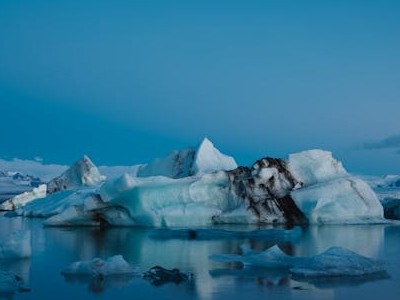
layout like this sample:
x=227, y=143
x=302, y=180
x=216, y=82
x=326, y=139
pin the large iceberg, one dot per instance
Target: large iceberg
x=334, y=262
x=82, y=173
x=188, y=162
x=307, y=187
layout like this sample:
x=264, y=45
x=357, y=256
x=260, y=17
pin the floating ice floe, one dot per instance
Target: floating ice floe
x=16, y=245
x=188, y=162
x=115, y=265
x=334, y=262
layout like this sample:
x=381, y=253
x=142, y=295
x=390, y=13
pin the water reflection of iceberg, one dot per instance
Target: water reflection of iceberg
x=98, y=284
x=335, y=266
x=139, y=248
x=219, y=234
x=316, y=239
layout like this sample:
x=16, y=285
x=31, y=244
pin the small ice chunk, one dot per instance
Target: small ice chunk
x=115, y=265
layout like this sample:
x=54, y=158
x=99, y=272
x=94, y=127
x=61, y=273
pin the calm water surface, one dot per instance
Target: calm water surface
x=55, y=248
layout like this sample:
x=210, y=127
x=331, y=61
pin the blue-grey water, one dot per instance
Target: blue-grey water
x=55, y=248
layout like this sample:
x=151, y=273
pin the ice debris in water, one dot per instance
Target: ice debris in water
x=334, y=262
x=16, y=245
x=158, y=276
x=115, y=265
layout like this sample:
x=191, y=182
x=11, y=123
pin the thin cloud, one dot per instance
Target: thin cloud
x=391, y=142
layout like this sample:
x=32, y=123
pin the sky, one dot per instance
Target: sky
x=127, y=81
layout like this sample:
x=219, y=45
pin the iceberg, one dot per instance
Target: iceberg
x=114, y=265
x=82, y=173
x=16, y=245
x=334, y=262
x=307, y=187
x=188, y=162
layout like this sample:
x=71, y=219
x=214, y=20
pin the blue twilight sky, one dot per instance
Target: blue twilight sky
x=125, y=81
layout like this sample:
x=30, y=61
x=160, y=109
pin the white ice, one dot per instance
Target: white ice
x=82, y=173
x=334, y=262
x=16, y=245
x=24, y=198
x=315, y=166
x=115, y=265
x=190, y=161
x=339, y=201
x=162, y=201
x=55, y=203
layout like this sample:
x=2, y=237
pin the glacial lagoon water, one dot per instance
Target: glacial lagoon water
x=55, y=248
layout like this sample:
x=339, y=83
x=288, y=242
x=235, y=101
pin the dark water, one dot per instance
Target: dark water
x=55, y=248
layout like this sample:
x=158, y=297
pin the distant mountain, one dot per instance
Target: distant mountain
x=14, y=183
